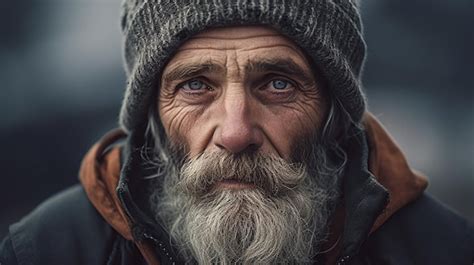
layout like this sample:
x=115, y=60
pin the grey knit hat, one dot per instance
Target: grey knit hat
x=330, y=31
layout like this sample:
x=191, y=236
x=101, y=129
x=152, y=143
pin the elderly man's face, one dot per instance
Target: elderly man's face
x=239, y=89
x=254, y=186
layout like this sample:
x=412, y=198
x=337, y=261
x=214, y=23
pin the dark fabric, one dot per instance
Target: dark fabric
x=65, y=229
x=124, y=252
x=130, y=191
x=7, y=254
x=364, y=197
x=423, y=233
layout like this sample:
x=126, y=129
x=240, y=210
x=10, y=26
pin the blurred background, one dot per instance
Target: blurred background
x=61, y=85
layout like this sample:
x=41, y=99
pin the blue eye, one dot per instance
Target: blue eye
x=194, y=85
x=280, y=84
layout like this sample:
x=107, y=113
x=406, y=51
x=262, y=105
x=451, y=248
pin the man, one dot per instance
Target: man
x=245, y=139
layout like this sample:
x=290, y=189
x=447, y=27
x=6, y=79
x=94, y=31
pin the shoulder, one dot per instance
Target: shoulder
x=424, y=232
x=65, y=229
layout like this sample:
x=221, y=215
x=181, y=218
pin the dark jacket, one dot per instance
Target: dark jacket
x=385, y=217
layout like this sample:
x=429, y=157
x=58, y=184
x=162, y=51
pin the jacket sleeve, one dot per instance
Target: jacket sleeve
x=66, y=229
x=7, y=253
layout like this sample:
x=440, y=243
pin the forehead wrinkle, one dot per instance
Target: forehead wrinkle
x=236, y=62
x=233, y=47
x=206, y=48
x=274, y=46
x=185, y=70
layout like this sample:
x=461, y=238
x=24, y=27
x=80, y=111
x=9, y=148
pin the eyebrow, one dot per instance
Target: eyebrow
x=280, y=65
x=185, y=71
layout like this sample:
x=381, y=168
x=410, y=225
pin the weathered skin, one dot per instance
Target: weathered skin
x=238, y=107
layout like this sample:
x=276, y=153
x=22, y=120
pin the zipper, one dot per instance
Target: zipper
x=344, y=260
x=161, y=247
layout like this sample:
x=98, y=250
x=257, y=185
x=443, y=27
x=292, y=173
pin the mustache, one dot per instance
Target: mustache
x=269, y=173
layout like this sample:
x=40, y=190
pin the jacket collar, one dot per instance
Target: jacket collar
x=378, y=182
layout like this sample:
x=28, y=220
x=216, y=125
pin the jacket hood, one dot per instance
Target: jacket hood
x=379, y=182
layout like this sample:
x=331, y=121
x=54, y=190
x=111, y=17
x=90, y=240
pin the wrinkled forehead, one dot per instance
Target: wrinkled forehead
x=244, y=44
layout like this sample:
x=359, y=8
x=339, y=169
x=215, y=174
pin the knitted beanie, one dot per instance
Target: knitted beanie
x=330, y=31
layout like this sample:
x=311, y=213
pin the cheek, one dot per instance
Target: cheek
x=185, y=124
x=285, y=126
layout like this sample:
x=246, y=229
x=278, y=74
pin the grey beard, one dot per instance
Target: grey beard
x=283, y=220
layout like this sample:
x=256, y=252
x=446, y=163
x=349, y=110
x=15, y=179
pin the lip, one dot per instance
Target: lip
x=234, y=184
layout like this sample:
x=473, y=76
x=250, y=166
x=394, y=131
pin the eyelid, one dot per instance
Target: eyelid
x=199, y=78
x=272, y=78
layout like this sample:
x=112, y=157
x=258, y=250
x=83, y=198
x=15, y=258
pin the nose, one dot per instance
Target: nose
x=238, y=130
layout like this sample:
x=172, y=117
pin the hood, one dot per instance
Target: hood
x=379, y=183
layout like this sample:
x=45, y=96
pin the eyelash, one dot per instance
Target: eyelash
x=284, y=93
x=276, y=91
x=193, y=92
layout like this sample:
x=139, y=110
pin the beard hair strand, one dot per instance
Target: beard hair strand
x=283, y=220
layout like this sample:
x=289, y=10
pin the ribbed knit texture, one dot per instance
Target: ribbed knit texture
x=330, y=31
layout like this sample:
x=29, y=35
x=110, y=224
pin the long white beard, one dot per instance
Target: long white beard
x=283, y=220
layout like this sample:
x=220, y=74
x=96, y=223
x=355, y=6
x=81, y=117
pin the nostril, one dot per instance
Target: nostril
x=238, y=133
x=237, y=142
x=252, y=147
